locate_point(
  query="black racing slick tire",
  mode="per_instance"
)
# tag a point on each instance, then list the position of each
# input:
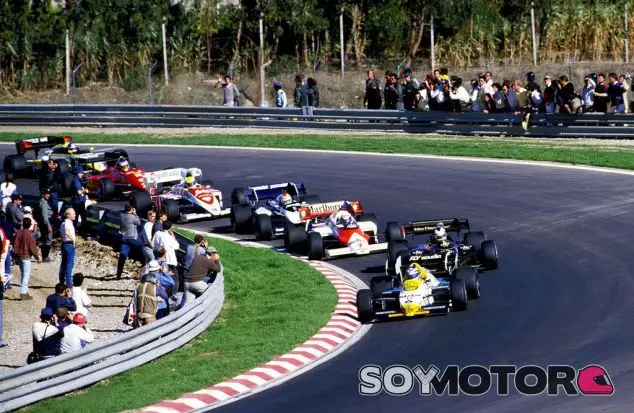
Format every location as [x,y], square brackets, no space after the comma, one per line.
[394,249]
[63,167]
[170,206]
[315,246]
[458,295]
[263,227]
[475,239]
[15,164]
[394,232]
[379,284]
[489,255]
[141,201]
[471,278]
[364,306]
[239,196]
[294,238]
[106,189]
[66,184]
[240,219]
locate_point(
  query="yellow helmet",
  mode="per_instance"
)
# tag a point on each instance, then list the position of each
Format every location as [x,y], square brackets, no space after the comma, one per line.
[190,181]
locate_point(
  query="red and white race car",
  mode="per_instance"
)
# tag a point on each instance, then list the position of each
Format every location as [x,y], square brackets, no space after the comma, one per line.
[178,192]
[335,229]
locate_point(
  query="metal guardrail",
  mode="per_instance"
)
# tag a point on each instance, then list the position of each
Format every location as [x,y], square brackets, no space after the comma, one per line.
[103,359]
[467,123]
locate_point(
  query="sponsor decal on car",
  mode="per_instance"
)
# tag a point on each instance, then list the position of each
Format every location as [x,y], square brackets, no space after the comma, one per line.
[425,257]
[324,207]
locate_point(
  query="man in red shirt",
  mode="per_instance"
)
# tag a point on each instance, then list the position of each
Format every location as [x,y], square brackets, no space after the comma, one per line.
[24,248]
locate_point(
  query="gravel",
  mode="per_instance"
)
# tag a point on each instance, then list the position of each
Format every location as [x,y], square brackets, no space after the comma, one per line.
[109,298]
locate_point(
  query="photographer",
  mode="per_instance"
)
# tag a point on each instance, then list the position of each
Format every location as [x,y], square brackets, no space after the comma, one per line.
[46,337]
[61,298]
[459,96]
[194,250]
[203,272]
[129,236]
[76,335]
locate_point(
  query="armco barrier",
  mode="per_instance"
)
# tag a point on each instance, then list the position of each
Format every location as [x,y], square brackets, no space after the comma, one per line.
[103,359]
[469,123]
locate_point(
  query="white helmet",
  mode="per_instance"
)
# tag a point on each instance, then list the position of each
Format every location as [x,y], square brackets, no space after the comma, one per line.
[345,218]
[440,233]
[73,148]
[123,164]
[285,199]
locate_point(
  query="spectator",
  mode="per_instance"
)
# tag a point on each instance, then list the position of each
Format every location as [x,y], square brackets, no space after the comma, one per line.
[28,213]
[459,96]
[391,93]
[626,87]
[162,260]
[167,240]
[44,216]
[76,335]
[567,95]
[7,188]
[203,271]
[511,97]
[15,214]
[615,93]
[549,95]
[475,96]
[488,83]
[312,92]
[158,224]
[166,283]
[78,200]
[601,98]
[230,92]
[300,97]
[422,100]
[24,249]
[61,298]
[501,104]
[409,90]
[535,101]
[520,94]
[488,106]
[3,280]
[194,250]
[48,182]
[46,337]
[129,236]
[372,97]
[531,84]
[63,318]
[67,230]
[147,295]
[5,253]
[587,94]
[145,237]
[280,96]
[80,295]
[438,94]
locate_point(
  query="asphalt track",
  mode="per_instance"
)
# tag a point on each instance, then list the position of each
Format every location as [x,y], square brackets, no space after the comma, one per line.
[562,294]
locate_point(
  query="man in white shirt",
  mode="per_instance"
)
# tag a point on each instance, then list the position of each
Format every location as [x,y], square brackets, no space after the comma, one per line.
[80,295]
[76,335]
[146,237]
[67,230]
[166,239]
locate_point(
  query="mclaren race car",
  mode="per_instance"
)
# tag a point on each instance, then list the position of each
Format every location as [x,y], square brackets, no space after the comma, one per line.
[178,192]
[440,254]
[416,291]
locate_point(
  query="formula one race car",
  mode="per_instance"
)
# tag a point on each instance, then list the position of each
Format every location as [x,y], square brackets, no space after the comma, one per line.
[417,292]
[177,192]
[268,210]
[346,231]
[63,151]
[115,182]
[440,252]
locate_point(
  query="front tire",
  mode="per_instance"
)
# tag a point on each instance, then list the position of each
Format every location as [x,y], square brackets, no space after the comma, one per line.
[170,206]
[141,201]
[106,189]
[294,238]
[458,295]
[240,219]
[315,246]
[239,196]
[364,306]
[263,227]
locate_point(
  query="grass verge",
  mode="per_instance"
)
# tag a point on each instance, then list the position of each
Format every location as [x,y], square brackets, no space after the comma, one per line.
[259,321]
[603,153]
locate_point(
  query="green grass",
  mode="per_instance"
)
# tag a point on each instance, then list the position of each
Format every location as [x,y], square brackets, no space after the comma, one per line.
[566,151]
[260,320]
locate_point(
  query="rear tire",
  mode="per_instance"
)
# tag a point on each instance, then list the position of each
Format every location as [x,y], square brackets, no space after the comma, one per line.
[263,227]
[394,249]
[240,219]
[364,306]
[315,246]
[171,208]
[239,196]
[66,184]
[394,232]
[15,164]
[294,238]
[475,239]
[106,189]
[380,284]
[489,255]
[458,295]
[471,278]
[141,201]
[63,167]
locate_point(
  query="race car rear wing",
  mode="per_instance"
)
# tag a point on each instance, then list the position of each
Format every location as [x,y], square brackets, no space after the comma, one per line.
[428,226]
[266,192]
[35,144]
[310,211]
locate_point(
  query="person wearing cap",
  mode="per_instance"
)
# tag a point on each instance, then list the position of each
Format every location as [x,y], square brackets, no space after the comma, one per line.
[76,335]
[166,283]
[28,213]
[78,200]
[280,96]
[129,236]
[24,248]
[409,90]
[15,213]
[43,217]
[46,337]
[202,272]
[147,295]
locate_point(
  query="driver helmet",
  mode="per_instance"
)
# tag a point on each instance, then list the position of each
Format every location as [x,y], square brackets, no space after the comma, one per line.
[123,164]
[73,148]
[345,219]
[190,181]
[440,234]
[285,199]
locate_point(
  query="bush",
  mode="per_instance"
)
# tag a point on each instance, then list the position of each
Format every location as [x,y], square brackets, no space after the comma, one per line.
[135,79]
[283,65]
